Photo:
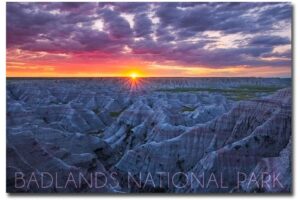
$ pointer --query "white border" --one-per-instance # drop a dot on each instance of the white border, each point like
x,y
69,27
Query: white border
x,y
296,112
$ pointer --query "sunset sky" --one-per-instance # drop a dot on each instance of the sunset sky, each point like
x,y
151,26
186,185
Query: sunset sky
x,y
149,39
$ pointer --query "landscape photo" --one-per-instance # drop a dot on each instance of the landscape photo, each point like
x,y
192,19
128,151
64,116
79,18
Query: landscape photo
x,y
149,97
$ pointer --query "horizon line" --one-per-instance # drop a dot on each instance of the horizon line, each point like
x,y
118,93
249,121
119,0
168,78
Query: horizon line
x,y
53,77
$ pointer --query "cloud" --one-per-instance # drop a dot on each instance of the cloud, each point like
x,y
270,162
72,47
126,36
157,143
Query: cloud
x,y
188,34
129,7
269,40
116,25
142,25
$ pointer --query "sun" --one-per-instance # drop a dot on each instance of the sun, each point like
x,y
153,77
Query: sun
x,y
133,75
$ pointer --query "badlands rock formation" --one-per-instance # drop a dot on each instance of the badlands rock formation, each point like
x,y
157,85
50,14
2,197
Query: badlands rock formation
x,y
162,135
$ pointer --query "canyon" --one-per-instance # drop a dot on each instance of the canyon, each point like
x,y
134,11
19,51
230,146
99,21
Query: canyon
x,y
172,135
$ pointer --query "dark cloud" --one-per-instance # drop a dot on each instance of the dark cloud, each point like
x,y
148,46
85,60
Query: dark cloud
x,y
147,46
161,32
268,40
142,25
281,11
226,17
23,25
117,26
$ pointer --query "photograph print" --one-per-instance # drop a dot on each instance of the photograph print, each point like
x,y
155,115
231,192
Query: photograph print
x,y
143,97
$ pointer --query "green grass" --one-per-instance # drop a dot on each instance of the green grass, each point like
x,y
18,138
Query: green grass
x,y
248,92
242,96
254,88
115,114
236,93
175,90
96,110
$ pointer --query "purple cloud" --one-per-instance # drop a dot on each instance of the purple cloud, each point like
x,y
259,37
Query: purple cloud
x,y
189,34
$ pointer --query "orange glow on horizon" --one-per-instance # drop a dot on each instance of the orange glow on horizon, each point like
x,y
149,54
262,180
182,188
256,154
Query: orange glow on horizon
x,y
134,71
28,64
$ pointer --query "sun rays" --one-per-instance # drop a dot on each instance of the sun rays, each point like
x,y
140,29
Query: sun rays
x,y
135,81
